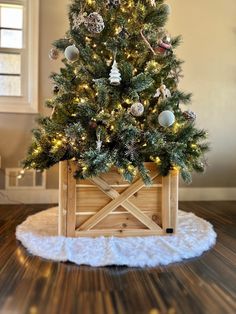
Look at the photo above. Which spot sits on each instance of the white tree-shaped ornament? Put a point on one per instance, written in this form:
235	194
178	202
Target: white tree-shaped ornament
115	76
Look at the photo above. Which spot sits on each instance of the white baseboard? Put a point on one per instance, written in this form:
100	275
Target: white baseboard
31	196
51	196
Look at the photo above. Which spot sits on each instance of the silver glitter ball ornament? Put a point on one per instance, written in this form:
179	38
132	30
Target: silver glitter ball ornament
137	109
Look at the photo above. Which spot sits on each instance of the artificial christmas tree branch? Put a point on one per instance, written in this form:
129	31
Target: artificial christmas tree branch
114	103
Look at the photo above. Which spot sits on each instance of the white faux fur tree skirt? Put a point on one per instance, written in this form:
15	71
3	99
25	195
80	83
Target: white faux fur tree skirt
39	235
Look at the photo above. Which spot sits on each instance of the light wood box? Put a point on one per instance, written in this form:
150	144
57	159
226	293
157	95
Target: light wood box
109	206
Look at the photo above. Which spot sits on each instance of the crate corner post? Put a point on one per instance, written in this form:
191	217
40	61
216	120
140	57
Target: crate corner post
67	200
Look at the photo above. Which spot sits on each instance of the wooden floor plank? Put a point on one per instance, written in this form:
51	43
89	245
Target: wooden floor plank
31	285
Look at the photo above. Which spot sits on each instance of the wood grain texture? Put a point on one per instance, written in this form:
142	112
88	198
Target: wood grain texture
71	201
91	207
129	206
111	206
63	187
174	197
166	194
204	285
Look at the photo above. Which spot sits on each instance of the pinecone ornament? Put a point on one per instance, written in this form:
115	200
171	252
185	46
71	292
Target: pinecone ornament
190	115
94	23
115	76
55	89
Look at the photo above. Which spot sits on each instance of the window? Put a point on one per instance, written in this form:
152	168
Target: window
18	179
19	56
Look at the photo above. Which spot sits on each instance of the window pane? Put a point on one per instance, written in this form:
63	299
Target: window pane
12	178
12	17
38	179
10	85
10	63
11	39
26	180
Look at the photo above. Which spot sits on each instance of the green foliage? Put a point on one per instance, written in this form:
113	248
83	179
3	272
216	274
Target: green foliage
88	110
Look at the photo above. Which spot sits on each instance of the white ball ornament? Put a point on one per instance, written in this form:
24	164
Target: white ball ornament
166	118
72	53
137	109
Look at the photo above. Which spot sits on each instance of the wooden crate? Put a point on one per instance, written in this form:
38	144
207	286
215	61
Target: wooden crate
109	206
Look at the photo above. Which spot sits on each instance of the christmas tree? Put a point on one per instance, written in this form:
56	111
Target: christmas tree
116	100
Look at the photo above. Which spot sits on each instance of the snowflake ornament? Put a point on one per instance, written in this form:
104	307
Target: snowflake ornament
176	74
131	150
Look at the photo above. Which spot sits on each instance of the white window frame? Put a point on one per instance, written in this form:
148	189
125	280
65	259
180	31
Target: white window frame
17	171
28	102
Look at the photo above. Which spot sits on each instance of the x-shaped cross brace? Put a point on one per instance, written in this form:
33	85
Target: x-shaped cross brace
120	200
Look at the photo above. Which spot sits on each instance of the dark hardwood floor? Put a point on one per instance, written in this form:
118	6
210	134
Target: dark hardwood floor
206	284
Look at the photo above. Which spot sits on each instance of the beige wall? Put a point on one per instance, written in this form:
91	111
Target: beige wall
209	50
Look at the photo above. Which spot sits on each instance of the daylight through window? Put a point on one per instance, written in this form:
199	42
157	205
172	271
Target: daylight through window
11	44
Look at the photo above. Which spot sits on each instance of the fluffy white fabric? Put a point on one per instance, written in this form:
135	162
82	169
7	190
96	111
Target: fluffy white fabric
39	235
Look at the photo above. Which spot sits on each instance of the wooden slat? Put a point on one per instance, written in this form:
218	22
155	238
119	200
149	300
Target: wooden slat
135	187
113	185
174	193
123	221
71	206
130	207
63	186
119	233
166	217
97	199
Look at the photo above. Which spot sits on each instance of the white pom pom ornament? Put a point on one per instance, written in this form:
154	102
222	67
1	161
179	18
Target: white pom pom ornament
137	109
166	118
72	53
